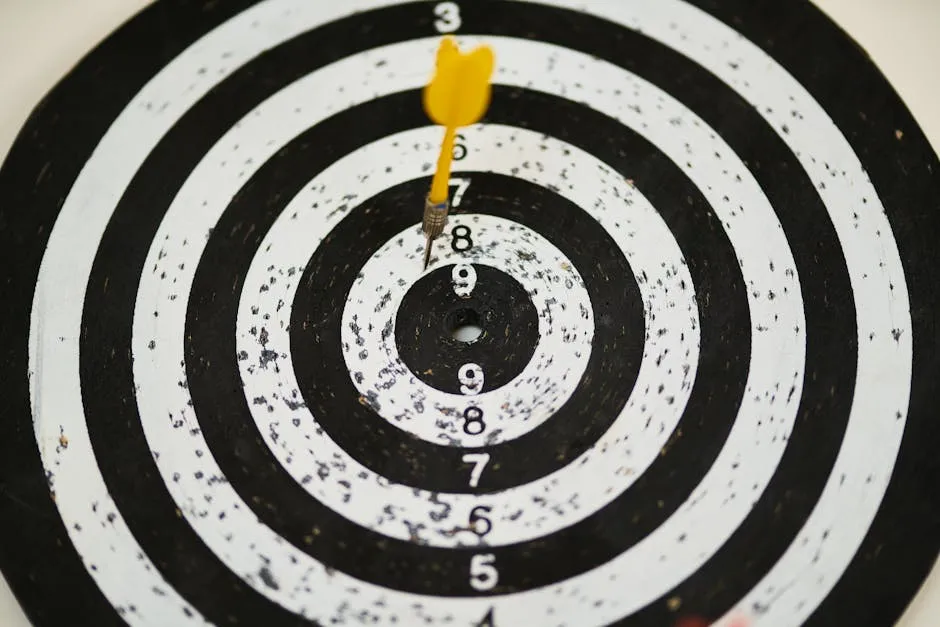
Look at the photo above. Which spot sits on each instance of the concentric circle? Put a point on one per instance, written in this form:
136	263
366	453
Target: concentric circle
552	294
744	400
655	391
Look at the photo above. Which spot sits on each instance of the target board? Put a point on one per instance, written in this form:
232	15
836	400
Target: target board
695	239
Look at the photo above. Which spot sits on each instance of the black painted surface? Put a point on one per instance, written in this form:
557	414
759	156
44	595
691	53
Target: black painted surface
432	310
37	558
329	394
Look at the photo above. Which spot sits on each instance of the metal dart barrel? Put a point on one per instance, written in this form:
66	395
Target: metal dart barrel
435	218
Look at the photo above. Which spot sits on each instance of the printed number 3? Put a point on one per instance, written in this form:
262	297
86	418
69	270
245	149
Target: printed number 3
448	14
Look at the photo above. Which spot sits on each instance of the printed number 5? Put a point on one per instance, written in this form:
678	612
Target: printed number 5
449	17
483	574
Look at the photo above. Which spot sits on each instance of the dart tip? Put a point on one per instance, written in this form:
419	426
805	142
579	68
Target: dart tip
427	252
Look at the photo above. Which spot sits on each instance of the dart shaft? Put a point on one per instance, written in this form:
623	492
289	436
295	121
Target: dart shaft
442	174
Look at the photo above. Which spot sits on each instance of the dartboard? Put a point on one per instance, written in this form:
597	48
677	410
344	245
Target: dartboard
672	360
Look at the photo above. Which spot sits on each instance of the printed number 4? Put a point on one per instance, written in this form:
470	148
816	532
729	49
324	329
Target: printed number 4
483	574
448	14
487	620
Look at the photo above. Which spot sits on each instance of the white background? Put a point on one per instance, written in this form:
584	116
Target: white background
40	40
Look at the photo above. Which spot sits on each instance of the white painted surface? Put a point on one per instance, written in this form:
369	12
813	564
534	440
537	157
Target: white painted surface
897	48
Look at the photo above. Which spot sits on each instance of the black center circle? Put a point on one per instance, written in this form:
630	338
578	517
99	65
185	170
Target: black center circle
432	316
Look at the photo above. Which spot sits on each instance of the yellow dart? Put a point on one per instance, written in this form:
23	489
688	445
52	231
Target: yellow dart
457	95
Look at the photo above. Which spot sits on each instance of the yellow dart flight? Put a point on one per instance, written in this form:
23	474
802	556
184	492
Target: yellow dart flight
457	95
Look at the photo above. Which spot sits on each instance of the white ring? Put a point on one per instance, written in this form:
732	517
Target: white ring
749	451
66	267
773	320
550	376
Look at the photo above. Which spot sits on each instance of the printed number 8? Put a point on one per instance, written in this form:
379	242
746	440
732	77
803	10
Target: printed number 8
461	241
473	416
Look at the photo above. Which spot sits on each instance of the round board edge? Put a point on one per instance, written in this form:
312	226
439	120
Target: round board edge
892	174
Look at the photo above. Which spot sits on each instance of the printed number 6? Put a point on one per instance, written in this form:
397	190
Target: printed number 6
475	517
483	574
449	17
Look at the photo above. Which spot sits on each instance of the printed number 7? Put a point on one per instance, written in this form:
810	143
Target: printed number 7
479	461
462	185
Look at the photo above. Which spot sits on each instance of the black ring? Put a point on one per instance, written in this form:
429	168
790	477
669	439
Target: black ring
263	486
904	537
244	462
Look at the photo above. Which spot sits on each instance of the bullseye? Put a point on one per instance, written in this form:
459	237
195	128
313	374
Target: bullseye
464	326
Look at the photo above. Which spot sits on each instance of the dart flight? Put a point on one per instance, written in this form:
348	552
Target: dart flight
457	95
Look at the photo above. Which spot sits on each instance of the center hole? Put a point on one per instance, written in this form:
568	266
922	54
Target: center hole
464	325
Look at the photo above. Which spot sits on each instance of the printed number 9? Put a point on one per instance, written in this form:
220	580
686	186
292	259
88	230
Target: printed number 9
464	278
471	379
448	14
